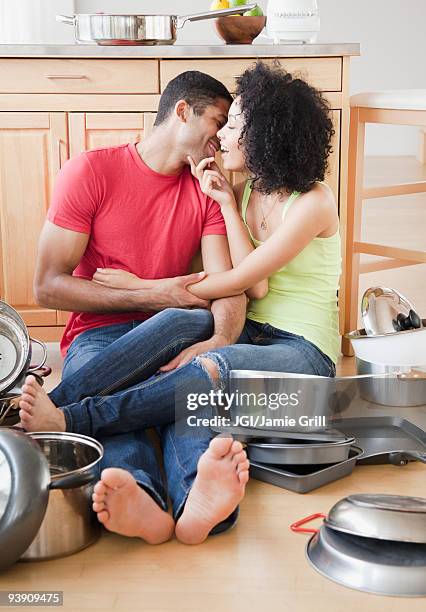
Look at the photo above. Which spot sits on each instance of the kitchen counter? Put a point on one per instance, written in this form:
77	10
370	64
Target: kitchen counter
181	51
258	565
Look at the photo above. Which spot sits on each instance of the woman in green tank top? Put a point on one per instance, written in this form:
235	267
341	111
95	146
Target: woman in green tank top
282	224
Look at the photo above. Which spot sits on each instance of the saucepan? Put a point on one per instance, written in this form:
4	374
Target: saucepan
46	483
372	543
107	29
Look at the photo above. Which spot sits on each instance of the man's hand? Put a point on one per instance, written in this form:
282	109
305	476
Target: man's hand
186	355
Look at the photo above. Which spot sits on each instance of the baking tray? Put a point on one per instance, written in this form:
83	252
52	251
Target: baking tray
387	439
299	452
245	434
302	478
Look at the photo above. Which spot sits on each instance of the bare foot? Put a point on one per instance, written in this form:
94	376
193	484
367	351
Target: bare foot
37	411
124	507
217	490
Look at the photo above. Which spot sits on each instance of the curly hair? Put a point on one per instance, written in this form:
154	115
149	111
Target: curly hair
287	129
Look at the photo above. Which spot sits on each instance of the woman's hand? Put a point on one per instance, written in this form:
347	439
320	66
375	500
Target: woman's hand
117	279
212	181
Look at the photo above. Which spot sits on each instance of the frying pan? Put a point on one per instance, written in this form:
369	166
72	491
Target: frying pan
108	29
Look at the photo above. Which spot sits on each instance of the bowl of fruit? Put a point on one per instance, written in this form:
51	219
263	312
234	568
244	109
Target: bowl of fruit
238	29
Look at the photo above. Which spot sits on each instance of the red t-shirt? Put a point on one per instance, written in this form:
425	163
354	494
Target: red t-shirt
141	221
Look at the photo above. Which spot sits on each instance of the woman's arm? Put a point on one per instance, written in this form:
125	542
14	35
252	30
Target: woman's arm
311	215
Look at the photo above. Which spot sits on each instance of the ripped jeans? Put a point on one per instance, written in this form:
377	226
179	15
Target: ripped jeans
95	403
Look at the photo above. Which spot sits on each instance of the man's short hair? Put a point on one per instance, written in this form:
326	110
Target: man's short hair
199	90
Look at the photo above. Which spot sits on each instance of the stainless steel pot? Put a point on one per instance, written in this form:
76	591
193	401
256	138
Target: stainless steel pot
15	349
108	29
372	543
406	385
45	495
374	566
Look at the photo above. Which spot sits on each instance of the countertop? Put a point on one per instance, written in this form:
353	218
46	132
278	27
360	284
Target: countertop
181	51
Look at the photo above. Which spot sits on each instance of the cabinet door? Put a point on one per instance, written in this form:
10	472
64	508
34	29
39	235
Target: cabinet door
32	148
97	130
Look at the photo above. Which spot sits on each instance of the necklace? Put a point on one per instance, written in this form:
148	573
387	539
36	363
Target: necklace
263	225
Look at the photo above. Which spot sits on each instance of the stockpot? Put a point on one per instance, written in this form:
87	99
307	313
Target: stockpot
46	484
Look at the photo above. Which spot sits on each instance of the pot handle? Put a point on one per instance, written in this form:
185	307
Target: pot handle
403	457
297	526
73	481
237	10
40	365
66	19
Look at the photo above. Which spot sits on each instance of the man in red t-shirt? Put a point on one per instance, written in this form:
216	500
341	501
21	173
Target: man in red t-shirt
137	207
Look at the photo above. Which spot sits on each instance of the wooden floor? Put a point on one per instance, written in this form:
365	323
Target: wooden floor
260	564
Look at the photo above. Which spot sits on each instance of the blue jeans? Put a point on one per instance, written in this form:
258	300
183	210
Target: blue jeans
94	405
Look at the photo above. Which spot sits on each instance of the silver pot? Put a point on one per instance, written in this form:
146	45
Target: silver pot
405	386
15	349
107	29
46	483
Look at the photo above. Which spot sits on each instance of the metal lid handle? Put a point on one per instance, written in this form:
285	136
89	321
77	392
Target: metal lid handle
66	19
237	10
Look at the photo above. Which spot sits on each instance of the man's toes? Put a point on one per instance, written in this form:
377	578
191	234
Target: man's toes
26	408
31	381
103	517
220	446
98	498
115	478
29	390
243	466
239	457
236	447
243	477
100	488
98	507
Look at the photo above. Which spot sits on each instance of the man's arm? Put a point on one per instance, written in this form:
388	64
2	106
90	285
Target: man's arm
60	251
229	313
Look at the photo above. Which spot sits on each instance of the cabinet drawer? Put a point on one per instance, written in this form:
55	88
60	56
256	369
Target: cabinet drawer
323	72
78	76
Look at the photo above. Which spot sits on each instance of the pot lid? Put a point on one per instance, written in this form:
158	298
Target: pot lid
14	346
24	493
385	310
397	518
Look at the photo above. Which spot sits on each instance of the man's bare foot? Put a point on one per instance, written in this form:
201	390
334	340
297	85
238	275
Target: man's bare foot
37	411
124	507
217	490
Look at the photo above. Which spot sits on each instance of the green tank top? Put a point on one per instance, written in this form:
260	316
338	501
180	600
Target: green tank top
302	296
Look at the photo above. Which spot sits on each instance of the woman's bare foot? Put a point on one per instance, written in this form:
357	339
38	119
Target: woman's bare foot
124	507
37	411
217	490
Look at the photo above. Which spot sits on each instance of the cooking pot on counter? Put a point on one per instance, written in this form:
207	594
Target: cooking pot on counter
107	29
15	350
46	484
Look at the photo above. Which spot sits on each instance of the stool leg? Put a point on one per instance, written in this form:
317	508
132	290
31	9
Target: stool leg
353	228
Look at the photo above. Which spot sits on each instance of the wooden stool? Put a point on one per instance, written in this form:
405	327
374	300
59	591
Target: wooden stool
400	107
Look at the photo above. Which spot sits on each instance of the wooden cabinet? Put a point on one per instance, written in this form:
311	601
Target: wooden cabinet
52	109
32	148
